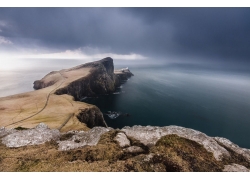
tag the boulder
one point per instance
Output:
(38, 135)
(149, 135)
(82, 138)
(122, 140)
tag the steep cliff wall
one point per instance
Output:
(101, 79)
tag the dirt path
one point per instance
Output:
(45, 105)
(65, 122)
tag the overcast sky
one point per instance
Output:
(185, 34)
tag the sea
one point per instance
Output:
(211, 99)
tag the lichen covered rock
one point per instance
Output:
(38, 135)
(235, 148)
(82, 138)
(122, 140)
(149, 135)
(4, 131)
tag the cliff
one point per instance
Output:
(101, 79)
(57, 95)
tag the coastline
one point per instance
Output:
(53, 118)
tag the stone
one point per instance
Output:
(134, 149)
(4, 131)
(149, 135)
(38, 135)
(122, 140)
(82, 138)
(235, 168)
(235, 148)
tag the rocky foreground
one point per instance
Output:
(137, 148)
(50, 130)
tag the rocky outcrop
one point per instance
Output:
(138, 148)
(122, 140)
(149, 135)
(81, 139)
(91, 117)
(101, 79)
(122, 75)
(233, 147)
(38, 135)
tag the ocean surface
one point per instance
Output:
(213, 100)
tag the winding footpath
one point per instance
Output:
(45, 105)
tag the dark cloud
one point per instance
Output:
(215, 33)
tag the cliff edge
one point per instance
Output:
(137, 148)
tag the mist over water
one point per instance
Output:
(213, 100)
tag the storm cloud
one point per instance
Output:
(157, 33)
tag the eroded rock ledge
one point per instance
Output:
(140, 148)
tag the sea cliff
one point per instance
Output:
(56, 100)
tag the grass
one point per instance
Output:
(171, 153)
(180, 154)
(15, 109)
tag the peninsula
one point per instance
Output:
(56, 99)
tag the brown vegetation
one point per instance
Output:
(171, 153)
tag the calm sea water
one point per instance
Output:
(214, 101)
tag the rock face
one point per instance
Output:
(122, 75)
(100, 80)
(39, 135)
(235, 148)
(149, 135)
(91, 117)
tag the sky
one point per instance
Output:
(205, 35)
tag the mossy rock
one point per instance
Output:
(181, 154)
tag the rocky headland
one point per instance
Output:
(51, 130)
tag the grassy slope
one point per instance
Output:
(57, 111)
